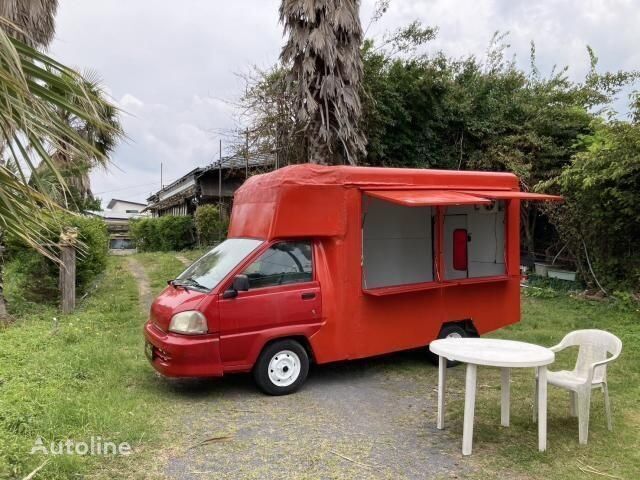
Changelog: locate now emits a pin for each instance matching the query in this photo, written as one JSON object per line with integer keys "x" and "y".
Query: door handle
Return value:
{"x": 308, "y": 295}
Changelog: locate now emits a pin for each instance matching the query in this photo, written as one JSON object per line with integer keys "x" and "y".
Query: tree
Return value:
{"x": 30, "y": 21}
{"x": 323, "y": 54}
{"x": 481, "y": 114}
{"x": 210, "y": 227}
{"x": 472, "y": 113}
{"x": 33, "y": 87}
{"x": 267, "y": 108}
{"x": 600, "y": 220}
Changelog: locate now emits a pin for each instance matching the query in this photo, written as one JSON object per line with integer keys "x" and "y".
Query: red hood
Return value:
{"x": 173, "y": 300}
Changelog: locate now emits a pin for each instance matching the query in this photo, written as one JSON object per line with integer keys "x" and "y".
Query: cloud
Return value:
{"x": 172, "y": 66}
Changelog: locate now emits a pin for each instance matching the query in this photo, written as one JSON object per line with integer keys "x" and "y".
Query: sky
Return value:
{"x": 175, "y": 68}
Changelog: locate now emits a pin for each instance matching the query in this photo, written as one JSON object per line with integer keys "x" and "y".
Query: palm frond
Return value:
{"x": 34, "y": 89}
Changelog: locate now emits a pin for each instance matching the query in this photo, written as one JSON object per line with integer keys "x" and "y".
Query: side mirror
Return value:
{"x": 240, "y": 284}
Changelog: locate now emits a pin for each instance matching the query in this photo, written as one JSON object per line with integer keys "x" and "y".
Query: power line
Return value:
{"x": 127, "y": 188}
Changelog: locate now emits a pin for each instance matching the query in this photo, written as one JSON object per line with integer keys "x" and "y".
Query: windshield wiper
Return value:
{"x": 188, "y": 282}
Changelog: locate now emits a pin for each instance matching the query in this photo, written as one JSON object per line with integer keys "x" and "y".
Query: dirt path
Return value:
{"x": 144, "y": 287}
{"x": 370, "y": 419}
{"x": 184, "y": 260}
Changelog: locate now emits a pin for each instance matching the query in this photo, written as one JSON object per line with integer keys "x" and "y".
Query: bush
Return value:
{"x": 30, "y": 277}
{"x": 163, "y": 234}
{"x": 209, "y": 225}
{"x": 600, "y": 220}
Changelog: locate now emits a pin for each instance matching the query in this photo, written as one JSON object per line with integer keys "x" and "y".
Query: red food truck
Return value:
{"x": 323, "y": 264}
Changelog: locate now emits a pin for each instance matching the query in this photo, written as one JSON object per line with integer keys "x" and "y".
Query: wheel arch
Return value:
{"x": 466, "y": 324}
{"x": 302, "y": 339}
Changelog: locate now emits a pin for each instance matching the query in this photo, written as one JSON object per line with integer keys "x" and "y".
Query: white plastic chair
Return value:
{"x": 590, "y": 372}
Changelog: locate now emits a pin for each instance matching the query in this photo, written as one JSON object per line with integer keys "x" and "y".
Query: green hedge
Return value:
{"x": 210, "y": 226}
{"x": 163, "y": 234}
{"x": 30, "y": 277}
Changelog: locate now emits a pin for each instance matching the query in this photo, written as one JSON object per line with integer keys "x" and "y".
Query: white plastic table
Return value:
{"x": 505, "y": 354}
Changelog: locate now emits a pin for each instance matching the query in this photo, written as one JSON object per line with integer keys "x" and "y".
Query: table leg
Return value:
{"x": 505, "y": 374}
{"x": 442, "y": 385}
{"x": 469, "y": 407}
{"x": 542, "y": 408}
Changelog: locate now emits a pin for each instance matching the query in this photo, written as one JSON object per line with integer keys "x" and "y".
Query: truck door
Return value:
{"x": 282, "y": 292}
{"x": 455, "y": 247}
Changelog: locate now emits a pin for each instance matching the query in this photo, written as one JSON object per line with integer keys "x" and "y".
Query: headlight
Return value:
{"x": 188, "y": 323}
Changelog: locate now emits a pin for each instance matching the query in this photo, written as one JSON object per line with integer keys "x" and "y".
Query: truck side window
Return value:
{"x": 283, "y": 263}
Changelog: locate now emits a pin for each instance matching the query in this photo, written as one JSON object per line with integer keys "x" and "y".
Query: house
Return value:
{"x": 117, "y": 216}
{"x": 116, "y": 205}
{"x": 213, "y": 184}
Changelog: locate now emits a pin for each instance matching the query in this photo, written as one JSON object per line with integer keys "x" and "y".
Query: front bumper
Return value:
{"x": 176, "y": 355}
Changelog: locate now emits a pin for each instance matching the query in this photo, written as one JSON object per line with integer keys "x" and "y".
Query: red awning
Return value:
{"x": 507, "y": 195}
{"x": 420, "y": 198}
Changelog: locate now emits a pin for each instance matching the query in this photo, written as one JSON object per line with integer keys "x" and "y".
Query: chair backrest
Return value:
{"x": 594, "y": 346}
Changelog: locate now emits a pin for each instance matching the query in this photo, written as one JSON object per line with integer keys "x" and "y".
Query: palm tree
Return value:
{"x": 31, "y": 21}
{"x": 33, "y": 90}
{"x": 73, "y": 167}
{"x": 323, "y": 52}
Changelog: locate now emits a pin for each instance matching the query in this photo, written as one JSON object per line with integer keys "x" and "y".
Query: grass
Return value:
{"x": 160, "y": 267}
{"x": 195, "y": 254}
{"x": 85, "y": 375}
{"x": 78, "y": 376}
{"x": 545, "y": 321}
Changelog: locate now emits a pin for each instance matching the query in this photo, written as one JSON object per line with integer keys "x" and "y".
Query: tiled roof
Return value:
{"x": 233, "y": 162}
{"x": 239, "y": 161}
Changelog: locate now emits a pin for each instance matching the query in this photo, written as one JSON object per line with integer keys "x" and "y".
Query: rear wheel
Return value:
{"x": 448, "y": 331}
{"x": 282, "y": 367}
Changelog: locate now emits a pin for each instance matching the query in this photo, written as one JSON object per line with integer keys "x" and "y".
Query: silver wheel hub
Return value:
{"x": 284, "y": 368}
{"x": 454, "y": 335}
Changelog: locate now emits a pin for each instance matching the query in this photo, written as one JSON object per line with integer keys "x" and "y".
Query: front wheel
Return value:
{"x": 282, "y": 367}
{"x": 448, "y": 331}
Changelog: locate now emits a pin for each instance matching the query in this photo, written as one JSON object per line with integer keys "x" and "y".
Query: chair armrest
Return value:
{"x": 557, "y": 348}
{"x": 594, "y": 365}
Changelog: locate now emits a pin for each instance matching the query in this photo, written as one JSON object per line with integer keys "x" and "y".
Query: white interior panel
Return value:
{"x": 485, "y": 249}
{"x": 397, "y": 244}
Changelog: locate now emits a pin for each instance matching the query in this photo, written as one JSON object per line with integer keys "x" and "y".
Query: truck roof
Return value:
{"x": 312, "y": 200}
{"x": 311, "y": 174}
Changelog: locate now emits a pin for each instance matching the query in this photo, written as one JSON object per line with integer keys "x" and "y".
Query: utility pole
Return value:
{"x": 161, "y": 182}
{"x": 246, "y": 153}
{"x": 220, "y": 181}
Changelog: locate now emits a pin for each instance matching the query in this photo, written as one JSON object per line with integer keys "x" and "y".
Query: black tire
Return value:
{"x": 269, "y": 370}
{"x": 452, "y": 329}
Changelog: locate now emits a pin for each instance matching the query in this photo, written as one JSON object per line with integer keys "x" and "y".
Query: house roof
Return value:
{"x": 113, "y": 201}
{"x": 240, "y": 161}
{"x": 109, "y": 215}
{"x": 186, "y": 184}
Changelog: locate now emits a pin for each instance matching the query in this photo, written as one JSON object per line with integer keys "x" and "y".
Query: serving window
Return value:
{"x": 422, "y": 238}
{"x": 397, "y": 244}
{"x": 416, "y": 239}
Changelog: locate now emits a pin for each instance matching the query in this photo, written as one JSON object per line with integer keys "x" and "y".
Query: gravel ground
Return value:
{"x": 364, "y": 419}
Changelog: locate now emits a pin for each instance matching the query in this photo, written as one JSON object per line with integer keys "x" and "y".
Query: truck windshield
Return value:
{"x": 216, "y": 264}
